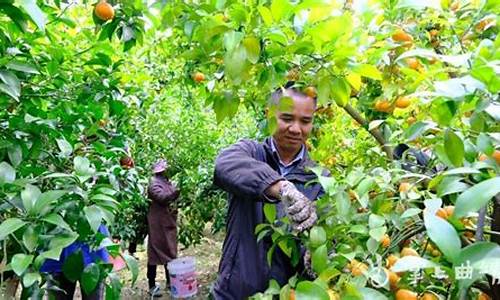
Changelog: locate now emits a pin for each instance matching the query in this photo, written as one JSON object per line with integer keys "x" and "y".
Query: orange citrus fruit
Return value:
{"x": 104, "y": 10}
{"x": 401, "y": 36}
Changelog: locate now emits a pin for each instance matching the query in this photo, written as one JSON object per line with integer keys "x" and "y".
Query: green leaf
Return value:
{"x": 371, "y": 294}
{"x": 310, "y": 291}
{"x": 328, "y": 274}
{"x": 476, "y": 197}
{"x": 15, "y": 14}
{"x": 252, "y": 46}
{"x": 73, "y": 266}
{"x": 424, "y": 53}
{"x": 234, "y": 63}
{"x": 280, "y": 9}
{"x": 410, "y": 212}
{"x": 22, "y": 67}
{"x": 415, "y": 130}
{"x": 375, "y": 221}
{"x": 57, "y": 220}
{"x": 317, "y": 236}
{"x": 62, "y": 240}
{"x": 340, "y": 91}
{"x": 361, "y": 229}
{"x": 7, "y": 173}
{"x": 30, "y": 278}
{"x": 454, "y": 148}
{"x": 54, "y": 254}
{"x": 113, "y": 291}
{"x": 65, "y": 147}
{"x": 29, "y": 197}
{"x": 410, "y": 263}
{"x": 475, "y": 254}
{"x": 319, "y": 259}
{"x": 35, "y": 13}
{"x": 9, "y": 226}
{"x": 90, "y": 278}
{"x": 12, "y": 85}
{"x": 82, "y": 166}
{"x": 94, "y": 216}
{"x": 377, "y": 233}
{"x": 484, "y": 144}
{"x": 324, "y": 88}
{"x": 443, "y": 234}
{"x": 46, "y": 200}
{"x": 365, "y": 186}
{"x": 9, "y": 90}
{"x": 30, "y": 238}
{"x": 132, "y": 265}
{"x": 20, "y": 262}
{"x": 420, "y": 4}
{"x": 369, "y": 71}
{"x": 460, "y": 171}
{"x": 232, "y": 39}
{"x": 343, "y": 204}
{"x": 451, "y": 185}
{"x": 266, "y": 15}
{"x": 15, "y": 155}
{"x": 270, "y": 212}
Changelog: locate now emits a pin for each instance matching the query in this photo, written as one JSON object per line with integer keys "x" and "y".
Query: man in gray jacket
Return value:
{"x": 254, "y": 173}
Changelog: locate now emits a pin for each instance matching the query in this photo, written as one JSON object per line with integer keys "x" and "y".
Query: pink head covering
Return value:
{"x": 160, "y": 166}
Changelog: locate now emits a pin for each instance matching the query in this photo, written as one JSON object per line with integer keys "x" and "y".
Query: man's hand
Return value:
{"x": 300, "y": 209}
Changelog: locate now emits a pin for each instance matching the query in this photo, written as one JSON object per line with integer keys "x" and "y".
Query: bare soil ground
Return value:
{"x": 207, "y": 255}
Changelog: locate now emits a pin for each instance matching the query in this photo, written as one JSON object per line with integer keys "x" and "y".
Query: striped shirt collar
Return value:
{"x": 286, "y": 168}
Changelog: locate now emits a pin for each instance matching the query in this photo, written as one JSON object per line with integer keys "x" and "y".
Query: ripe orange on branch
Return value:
{"x": 404, "y": 187}
{"x": 386, "y": 241}
{"x": 403, "y": 102}
{"x": 383, "y": 106}
{"x": 310, "y": 91}
{"x": 198, "y": 77}
{"x": 429, "y": 296}
{"x": 496, "y": 156}
{"x": 104, "y": 11}
{"x": 404, "y": 294}
{"x": 391, "y": 260}
{"x": 401, "y": 36}
{"x": 413, "y": 63}
{"x": 409, "y": 252}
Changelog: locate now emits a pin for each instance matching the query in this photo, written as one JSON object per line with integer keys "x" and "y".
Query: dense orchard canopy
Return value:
{"x": 92, "y": 93}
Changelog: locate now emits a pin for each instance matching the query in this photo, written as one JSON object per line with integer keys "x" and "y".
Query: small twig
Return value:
{"x": 374, "y": 132}
{"x": 480, "y": 224}
{"x": 62, "y": 13}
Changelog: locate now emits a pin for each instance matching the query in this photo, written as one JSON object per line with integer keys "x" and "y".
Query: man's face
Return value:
{"x": 294, "y": 124}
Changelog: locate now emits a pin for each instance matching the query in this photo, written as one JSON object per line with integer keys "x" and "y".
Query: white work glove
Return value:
{"x": 300, "y": 210}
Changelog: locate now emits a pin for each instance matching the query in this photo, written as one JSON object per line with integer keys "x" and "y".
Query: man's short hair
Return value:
{"x": 290, "y": 87}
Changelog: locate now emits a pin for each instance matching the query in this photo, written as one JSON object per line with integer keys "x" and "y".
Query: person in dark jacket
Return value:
{"x": 253, "y": 174}
{"x": 162, "y": 225}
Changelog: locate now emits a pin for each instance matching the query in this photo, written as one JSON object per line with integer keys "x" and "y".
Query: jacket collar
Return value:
{"x": 298, "y": 173}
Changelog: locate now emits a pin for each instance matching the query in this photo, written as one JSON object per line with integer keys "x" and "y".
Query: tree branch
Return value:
{"x": 480, "y": 224}
{"x": 374, "y": 132}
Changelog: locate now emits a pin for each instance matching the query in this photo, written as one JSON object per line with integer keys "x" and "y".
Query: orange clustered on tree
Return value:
{"x": 104, "y": 10}
{"x": 403, "y": 102}
{"x": 310, "y": 91}
{"x": 383, "y": 106}
{"x": 198, "y": 77}
{"x": 404, "y": 294}
{"x": 386, "y": 241}
{"x": 401, "y": 36}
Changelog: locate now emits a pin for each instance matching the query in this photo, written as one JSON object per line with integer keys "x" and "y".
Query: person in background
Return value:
{"x": 162, "y": 225}
{"x": 66, "y": 288}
